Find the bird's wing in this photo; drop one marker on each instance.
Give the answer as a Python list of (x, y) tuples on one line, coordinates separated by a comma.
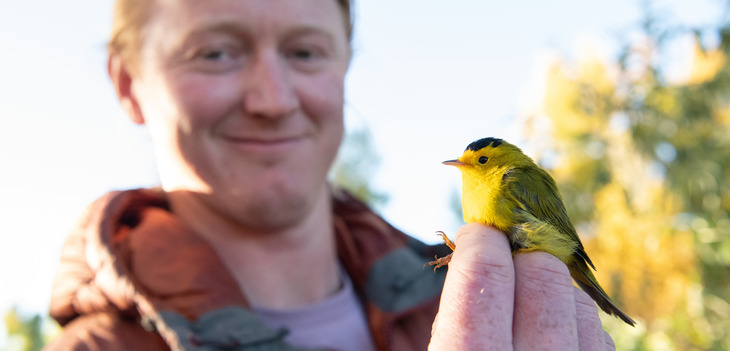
[(524, 184)]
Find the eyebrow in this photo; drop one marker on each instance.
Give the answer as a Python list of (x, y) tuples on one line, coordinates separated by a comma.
[(246, 30), (217, 27)]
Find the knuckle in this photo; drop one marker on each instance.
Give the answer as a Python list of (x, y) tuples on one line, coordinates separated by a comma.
[(544, 271), (481, 266), (610, 345), (483, 254), (490, 270), (583, 303)]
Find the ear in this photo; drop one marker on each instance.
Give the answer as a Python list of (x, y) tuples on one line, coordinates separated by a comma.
[(122, 81)]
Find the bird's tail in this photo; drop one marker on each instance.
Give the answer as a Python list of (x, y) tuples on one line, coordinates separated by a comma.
[(585, 279)]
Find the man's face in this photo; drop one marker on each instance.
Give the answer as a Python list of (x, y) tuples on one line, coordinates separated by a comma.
[(243, 100)]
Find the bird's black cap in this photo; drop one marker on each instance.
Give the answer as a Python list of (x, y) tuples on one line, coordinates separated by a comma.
[(482, 143)]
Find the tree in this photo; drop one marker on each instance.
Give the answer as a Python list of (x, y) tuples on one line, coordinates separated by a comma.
[(355, 165), (643, 167), (27, 333)]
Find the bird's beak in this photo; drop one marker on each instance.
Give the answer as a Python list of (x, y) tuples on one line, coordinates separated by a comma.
[(456, 163)]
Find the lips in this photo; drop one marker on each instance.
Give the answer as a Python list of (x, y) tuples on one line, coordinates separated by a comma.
[(265, 144)]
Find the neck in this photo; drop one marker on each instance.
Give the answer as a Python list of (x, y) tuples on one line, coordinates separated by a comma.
[(279, 268)]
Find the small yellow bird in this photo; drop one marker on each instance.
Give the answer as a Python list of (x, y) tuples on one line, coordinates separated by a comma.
[(504, 188)]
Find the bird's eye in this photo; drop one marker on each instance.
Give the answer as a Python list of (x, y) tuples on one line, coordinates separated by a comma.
[(483, 160)]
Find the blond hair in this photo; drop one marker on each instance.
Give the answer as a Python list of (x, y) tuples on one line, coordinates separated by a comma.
[(128, 22), (130, 16)]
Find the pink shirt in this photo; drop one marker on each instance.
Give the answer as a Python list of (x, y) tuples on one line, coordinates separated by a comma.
[(336, 323)]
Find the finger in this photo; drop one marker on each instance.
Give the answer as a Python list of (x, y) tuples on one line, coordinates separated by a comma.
[(610, 345), (545, 316), (478, 297), (590, 329)]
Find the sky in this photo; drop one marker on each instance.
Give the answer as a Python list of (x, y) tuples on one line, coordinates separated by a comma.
[(427, 78)]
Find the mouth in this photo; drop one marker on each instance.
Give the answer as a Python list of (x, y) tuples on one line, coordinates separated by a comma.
[(265, 144)]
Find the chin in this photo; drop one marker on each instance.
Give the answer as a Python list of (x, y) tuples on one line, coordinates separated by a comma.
[(277, 206)]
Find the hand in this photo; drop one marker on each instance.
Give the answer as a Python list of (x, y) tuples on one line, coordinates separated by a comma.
[(491, 301)]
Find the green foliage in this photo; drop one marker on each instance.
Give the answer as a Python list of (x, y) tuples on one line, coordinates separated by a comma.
[(355, 166), (27, 332), (684, 130), (643, 168)]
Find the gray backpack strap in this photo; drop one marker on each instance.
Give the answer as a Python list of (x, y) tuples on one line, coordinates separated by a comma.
[(230, 328), (398, 281)]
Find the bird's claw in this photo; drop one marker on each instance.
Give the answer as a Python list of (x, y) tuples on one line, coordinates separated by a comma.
[(446, 240), (439, 262), (443, 261)]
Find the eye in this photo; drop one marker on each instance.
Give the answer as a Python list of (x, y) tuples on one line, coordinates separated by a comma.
[(213, 55), (302, 54), (483, 160), (307, 57), (309, 50), (217, 57)]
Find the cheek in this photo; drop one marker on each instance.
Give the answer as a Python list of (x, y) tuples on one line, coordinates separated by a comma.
[(322, 100), (204, 99), (184, 110), (323, 103)]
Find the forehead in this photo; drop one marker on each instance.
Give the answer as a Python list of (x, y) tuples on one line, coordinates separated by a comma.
[(255, 16)]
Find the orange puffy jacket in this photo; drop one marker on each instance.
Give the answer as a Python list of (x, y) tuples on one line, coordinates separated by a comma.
[(132, 277)]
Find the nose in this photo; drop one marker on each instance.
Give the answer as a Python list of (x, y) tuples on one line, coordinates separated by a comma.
[(268, 89)]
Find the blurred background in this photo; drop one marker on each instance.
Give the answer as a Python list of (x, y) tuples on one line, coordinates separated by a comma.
[(625, 102)]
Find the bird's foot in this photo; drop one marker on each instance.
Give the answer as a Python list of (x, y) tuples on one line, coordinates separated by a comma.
[(443, 261), (447, 241), (439, 262)]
